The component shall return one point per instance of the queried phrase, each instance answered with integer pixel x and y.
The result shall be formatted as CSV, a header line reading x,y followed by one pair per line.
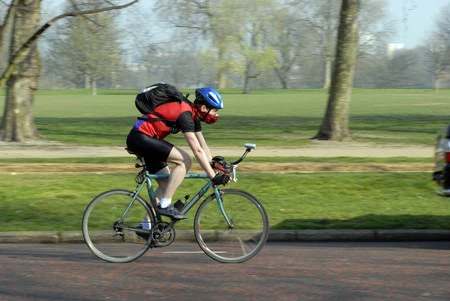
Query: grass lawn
x,y
272,118
267,118
293,201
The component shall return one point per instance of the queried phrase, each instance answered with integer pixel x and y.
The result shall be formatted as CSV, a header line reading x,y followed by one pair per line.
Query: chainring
x,y
163,234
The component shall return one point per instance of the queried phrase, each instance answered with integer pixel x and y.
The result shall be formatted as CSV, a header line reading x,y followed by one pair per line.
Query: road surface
x,y
400,271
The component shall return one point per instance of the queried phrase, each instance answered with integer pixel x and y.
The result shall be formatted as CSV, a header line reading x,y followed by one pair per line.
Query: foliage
x,y
257,42
90,51
438,48
302,34
293,201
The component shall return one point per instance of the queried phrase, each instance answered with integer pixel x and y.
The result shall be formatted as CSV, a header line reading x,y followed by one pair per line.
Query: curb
x,y
274,236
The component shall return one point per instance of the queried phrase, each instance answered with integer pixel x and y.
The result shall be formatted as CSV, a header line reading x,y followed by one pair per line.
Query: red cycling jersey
x,y
177,116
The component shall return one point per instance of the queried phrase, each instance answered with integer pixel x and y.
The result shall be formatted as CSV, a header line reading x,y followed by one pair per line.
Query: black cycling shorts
x,y
154,151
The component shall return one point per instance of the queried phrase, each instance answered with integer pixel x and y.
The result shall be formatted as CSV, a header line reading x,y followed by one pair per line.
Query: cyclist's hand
x,y
221,179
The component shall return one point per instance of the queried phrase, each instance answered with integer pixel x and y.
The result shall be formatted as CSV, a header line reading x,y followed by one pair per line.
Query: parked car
x,y
441,173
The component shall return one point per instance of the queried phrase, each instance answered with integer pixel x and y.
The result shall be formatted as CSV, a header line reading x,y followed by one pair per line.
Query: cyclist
x,y
147,139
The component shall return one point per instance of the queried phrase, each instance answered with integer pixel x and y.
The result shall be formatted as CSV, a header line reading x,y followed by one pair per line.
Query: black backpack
x,y
155,95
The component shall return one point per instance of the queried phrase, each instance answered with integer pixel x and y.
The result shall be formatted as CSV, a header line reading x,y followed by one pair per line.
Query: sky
x,y
420,16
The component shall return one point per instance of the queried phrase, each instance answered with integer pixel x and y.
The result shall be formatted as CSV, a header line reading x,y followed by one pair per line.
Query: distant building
x,y
394,47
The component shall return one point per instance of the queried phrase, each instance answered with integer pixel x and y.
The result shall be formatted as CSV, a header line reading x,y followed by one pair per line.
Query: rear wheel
x,y
240,241
110,226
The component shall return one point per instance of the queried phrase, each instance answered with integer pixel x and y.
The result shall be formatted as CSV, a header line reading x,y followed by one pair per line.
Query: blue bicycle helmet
x,y
209,97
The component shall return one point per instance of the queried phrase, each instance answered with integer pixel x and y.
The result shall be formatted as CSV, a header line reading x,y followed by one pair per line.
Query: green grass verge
x,y
267,117
293,201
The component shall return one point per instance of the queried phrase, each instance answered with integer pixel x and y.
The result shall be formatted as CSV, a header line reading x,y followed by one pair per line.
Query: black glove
x,y
221,179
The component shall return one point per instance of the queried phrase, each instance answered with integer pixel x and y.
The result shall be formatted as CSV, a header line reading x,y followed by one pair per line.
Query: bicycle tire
x,y
110,240
243,241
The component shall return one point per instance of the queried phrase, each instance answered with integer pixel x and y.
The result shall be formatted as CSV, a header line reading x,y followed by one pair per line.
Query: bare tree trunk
x,y
335,122
246,89
87,81
222,79
221,70
94,87
327,72
282,77
437,80
18,121
5,30
329,30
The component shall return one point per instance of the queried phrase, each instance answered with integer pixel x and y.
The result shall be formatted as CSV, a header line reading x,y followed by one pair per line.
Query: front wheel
x,y
238,239
110,226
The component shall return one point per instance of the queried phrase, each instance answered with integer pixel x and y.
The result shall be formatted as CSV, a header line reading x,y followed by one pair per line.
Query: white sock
x,y
165,202
146,225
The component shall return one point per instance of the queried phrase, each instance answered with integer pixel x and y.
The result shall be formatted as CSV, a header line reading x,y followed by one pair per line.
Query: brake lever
x,y
235,173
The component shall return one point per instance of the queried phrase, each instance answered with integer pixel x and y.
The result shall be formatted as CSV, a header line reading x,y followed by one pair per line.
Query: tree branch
x,y
8,21
17,57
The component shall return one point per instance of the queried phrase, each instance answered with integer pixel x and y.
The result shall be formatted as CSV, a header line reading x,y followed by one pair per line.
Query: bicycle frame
x,y
189,204
151,193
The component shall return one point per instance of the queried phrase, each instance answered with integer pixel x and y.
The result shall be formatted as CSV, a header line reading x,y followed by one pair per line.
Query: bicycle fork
x,y
218,193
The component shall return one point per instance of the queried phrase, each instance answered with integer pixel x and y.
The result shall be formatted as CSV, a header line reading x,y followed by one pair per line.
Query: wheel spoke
x,y
110,230
239,243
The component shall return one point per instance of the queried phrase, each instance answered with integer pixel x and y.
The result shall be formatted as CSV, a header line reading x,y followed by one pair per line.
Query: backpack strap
x,y
157,118
149,119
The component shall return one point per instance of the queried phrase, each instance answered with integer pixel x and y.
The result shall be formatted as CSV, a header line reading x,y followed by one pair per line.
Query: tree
x,y
90,51
335,123
252,40
438,47
216,20
18,122
322,18
292,40
19,32
236,29
403,69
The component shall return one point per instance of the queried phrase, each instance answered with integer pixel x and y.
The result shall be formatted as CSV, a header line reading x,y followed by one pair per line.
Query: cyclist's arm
x,y
204,146
199,153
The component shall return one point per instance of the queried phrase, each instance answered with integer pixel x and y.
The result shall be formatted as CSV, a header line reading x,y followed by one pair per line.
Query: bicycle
x,y
230,225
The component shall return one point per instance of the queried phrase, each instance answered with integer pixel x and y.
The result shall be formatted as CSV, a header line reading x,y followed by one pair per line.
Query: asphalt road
x,y
282,271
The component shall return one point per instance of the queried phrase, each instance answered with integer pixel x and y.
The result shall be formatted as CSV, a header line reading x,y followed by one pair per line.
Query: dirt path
x,y
249,166
317,149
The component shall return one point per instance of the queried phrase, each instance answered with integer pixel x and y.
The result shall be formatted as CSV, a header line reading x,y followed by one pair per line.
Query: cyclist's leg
x,y
162,183
183,162
155,153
